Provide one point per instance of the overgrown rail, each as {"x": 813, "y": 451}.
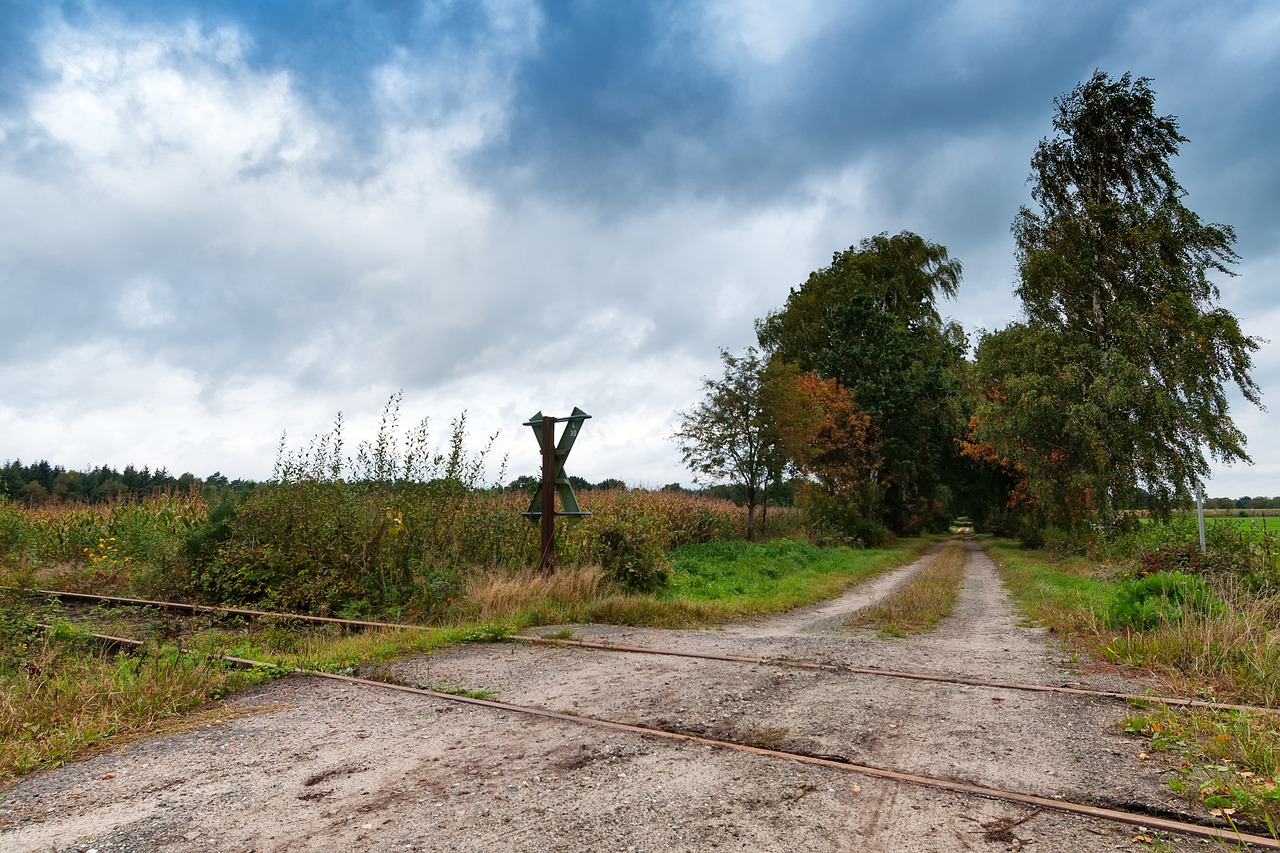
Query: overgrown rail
{"x": 1126, "y": 818}
{"x": 941, "y": 678}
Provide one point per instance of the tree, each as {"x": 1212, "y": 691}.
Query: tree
{"x": 870, "y": 321}
{"x": 901, "y": 276}
{"x": 726, "y": 437}
{"x": 1115, "y": 381}
{"x": 825, "y": 437}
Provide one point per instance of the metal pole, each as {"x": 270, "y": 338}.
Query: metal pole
{"x": 547, "y": 563}
{"x": 1200, "y": 515}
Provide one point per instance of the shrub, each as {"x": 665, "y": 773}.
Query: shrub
{"x": 833, "y": 521}
{"x": 632, "y": 557}
{"x": 1151, "y": 600}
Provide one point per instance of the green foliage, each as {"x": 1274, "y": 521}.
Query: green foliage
{"x": 1227, "y": 761}
{"x": 313, "y": 541}
{"x": 204, "y": 540}
{"x": 725, "y": 438}
{"x": 66, "y": 698}
{"x": 1147, "y": 601}
{"x": 832, "y": 521}
{"x": 631, "y": 556}
{"x": 870, "y": 321}
{"x": 11, "y": 528}
{"x": 1245, "y": 557}
{"x": 1205, "y": 637}
{"x": 1116, "y": 380}
{"x": 19, "y": 622}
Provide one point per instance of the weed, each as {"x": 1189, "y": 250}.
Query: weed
{"x": 1226, "y": 645}
{"x": 63, "y": 699}
{"x": 1154, "y": 599}
{"x": 1226, "y": 761}
{"x": 764, "y": 737}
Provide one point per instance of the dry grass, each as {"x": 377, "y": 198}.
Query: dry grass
{"x": 1231, "y": 651}
{"x": 494, "y": 594}
{"x": 64, "y": 702}
{"x": 924, "y": 602}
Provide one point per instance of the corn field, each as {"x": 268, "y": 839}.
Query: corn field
{"x": 331, "y": 546}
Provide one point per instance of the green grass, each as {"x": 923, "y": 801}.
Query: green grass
{"x": 744, "y": 578}
{"x": 66, "y": 700}
{"x": 1256, "y": 526}
{"x": 1253, "y": 524}
{"x": 1066, "y": 595}
{"x": 1226, "y": 761}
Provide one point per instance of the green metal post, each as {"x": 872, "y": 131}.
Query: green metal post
{"x": 547, "y": 563}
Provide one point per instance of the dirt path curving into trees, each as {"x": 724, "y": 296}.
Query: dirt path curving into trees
{"x": 302, "y": 765}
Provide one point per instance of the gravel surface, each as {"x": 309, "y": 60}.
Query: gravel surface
{"x": 304, "y": 764}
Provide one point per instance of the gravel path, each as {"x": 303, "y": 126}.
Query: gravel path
{"x": 302, "y": 765}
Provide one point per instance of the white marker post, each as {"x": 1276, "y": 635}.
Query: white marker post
{"x": 1200, "y": 515}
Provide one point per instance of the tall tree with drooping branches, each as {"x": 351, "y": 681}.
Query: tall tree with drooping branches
{"x": 1118, "y": 377}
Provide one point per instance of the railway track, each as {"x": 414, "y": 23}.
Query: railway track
{"x": 1137, "y": 819}
{"x": 1162, "y": 822}
{"x": 943, "y": 678}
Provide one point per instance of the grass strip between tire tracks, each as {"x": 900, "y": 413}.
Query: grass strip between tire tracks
{"x": 922, "y": 602}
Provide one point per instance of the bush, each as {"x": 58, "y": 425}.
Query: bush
{"x": 383, "y": 535}
{"x": 833, "y": 522}
{"x": 632, "y": 557}
{"x": 1145, "y": 602}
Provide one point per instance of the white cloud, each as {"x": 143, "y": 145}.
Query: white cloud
{"x": 238, "y": 269}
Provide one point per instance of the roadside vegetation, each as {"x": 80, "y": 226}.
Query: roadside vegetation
{"x": 398, "y": 532}
{"x": 1204, "y": 625}
{"x": 923, "y": 602}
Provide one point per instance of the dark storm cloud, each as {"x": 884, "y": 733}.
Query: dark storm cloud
{"x": 560, "y": 202}
{"x": 627, "y": 100}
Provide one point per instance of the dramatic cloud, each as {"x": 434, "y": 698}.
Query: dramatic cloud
{"x": 222, "y": 221}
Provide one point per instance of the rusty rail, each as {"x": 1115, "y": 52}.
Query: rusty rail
{"x": 889, "y": 673}
{"x": 233, "y": 611}
{"x": 1193, "y": 830}
{"x": 941, "y": 678}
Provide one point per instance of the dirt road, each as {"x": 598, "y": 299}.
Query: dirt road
{"x": 302, "y": 765}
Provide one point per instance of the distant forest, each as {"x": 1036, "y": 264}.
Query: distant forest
{"x": 43, "y": 483}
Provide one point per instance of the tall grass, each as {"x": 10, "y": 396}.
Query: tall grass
{"x": 923, "y": 602}
{"x": 355, "y": 548}
{"x": 65, "y": 699}
{"x": 1215, "y": 635}
{"x": 1228, "y": 646}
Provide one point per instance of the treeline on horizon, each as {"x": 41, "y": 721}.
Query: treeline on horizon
{"x": 41, "y": 483}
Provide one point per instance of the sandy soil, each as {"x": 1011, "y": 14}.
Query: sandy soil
{"x": 306, "y": 765}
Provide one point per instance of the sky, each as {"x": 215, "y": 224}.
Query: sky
{"x": 222, "y": 223}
